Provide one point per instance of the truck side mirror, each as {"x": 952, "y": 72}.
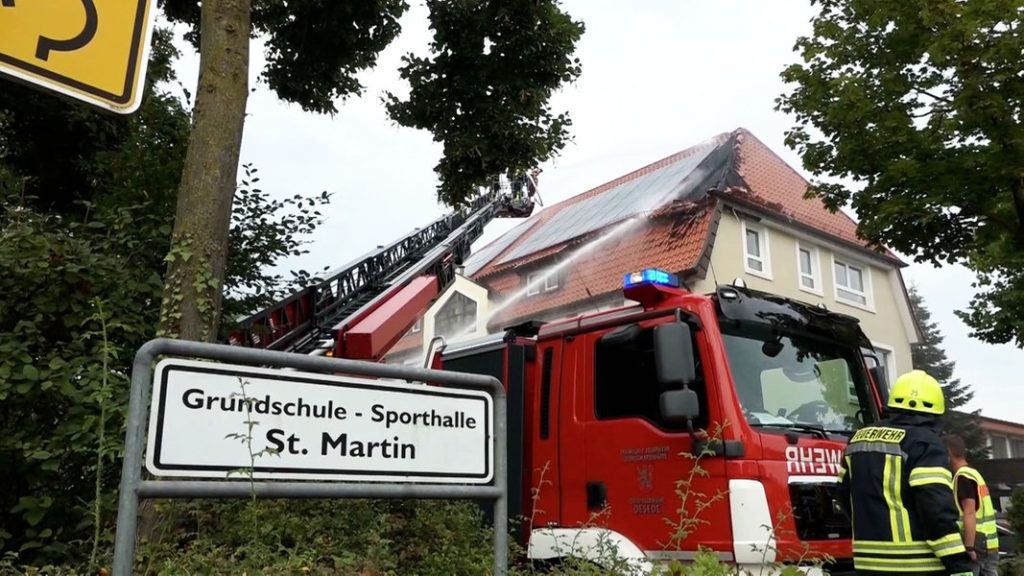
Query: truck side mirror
{"x": 673, "y": 355}
{"x": 878, "y": 374}
{"x": 679, "y": 405}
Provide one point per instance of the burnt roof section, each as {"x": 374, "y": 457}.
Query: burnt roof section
{"x": 734, "y": 165}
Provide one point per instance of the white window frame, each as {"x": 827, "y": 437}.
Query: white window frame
{"x": 417, "y": 327}
{"x": 548, "y": 284}
{"x": 993, "y": 438}
{"x": 815, "y": 274}
{"x": 551, "y": 282}
{"x": 890, "y": 366}
{"x": 1011, "y": 446}
{"x": 868, "y": 293}
{"x": 535, "y": 289}
{"x": 765, "y": 246}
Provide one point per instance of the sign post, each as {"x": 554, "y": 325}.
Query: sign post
{"x": 95, "y": 51}
{"x": 346, "y": 436}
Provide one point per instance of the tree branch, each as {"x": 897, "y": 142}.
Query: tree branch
{"x": 933, "y": 96}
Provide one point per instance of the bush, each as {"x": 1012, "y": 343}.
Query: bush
{"x": 1013, "y": 566}
{"x": 1015, "y": 515}
{"x": 359, "y": 538}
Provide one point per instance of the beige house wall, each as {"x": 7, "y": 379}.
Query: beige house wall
{"x": 885, "y": 318}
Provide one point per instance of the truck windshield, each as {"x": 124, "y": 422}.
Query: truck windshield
{"x": 786, "y": 379}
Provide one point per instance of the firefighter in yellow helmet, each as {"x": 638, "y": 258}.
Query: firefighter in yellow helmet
{"x": 895, "y": 484}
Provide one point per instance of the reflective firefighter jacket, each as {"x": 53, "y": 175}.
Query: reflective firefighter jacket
{"x": 985, "y": 512}
{"x": 895, "y": 484}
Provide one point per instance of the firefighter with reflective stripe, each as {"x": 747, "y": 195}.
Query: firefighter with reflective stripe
{"x": 896, "y": 486}
{"x": 977, "y": 514}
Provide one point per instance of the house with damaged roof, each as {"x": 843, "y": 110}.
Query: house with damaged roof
{"x": 727, "y": 208}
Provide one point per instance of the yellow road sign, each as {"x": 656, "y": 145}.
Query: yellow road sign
{"x": 92, "y": 50}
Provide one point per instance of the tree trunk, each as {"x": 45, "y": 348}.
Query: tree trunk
{"x": 195, "y": 275}
{"x": 1018, "y": 204}
{"x": 195, "y": 271}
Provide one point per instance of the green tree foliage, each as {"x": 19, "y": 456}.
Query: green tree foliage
{"x": 77, "y": 231}
{"x": 64, "y": 155}
{"x": 919, "y": 103}
{"x": 484, "y": 92}
{"x": 314, "y": 49}
{"x": 928, "y": 355}
{"x": 489, "y": 110}
{"x": 83, "y": 239}
{"x": 265, "y": 230}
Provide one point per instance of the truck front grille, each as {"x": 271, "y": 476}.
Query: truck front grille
{"x": 817, "y": 514}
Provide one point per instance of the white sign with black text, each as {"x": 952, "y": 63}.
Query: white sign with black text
{"x": 218, "y": 420}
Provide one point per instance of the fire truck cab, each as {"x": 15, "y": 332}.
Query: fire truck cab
{"x": 609, "y": 412}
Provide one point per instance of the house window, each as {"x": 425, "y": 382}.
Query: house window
{"x": 532, "y": 285}
{"x": 886, "y": 360}
{"x": 537, "y": 283}
{"x": 1016, "y": 447}
{"x": 999, "y": 447}
{"x": 457, "y": 317}
{"x": 551, "y": 282}
{"x": 756, "y": 258}
{"x": 808, "y": 268}
{"x": 852, "y": 283}
{"x": 418, "y": 326}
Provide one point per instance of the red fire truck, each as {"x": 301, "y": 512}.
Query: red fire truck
{"x": 604, "y": 407}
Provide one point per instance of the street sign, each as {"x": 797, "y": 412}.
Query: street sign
{"x": 218, "y": 420}
{"x": 92, "y": 50}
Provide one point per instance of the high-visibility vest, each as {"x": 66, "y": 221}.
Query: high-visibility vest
{"x": 985, "y": 511}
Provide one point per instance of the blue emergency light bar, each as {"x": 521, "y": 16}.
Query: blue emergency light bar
{"x": 651, "y": 276}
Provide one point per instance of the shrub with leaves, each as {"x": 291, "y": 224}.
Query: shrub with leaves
{"x": 1015, "y": 515}
{"x": 80, "y": 293}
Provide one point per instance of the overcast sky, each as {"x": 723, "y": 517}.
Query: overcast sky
{"x": 658, "y": 76}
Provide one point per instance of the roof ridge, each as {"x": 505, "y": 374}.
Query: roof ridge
{"x": 713, "y": 142}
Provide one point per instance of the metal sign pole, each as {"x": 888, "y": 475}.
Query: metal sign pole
{"x": 133, "y": 488}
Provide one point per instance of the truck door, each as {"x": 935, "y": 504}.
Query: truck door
{"x": 632, "y": 461}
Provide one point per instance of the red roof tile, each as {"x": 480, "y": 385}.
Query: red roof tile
{"x": 738, "y": 166}
{"x": 774, "y": 184}
{"x": 674, "y": 244}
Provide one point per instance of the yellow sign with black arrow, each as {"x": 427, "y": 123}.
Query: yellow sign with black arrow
{"x": 92, "y": 50}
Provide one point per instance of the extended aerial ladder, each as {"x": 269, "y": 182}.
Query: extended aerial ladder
{"x": 362, "y": 309}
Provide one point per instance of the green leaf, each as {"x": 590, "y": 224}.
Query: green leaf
{"x": 30, "y": 372}
{"x": 57, "y": 362}
{"x": 34, "y": 515}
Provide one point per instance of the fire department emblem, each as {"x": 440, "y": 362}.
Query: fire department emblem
{"x": 645, "y": 476}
